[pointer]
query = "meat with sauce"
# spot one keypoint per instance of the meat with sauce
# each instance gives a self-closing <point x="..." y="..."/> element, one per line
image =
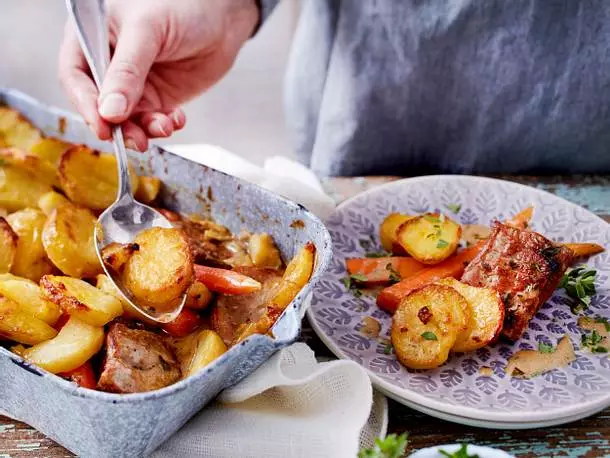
<point x="524" y="267"/>
<point x="137" y="360"/>
<point x="232" y="311"/>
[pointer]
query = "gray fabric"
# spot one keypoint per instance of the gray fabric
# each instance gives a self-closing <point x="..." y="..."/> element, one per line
<point x="430" y="86"/>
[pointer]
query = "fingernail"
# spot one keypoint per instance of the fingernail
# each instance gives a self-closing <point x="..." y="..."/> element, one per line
<point x="156" y="127"/>
<point x="177" y="118"/>
<point x="129" y="143"/>
<point x="112" y="105"/>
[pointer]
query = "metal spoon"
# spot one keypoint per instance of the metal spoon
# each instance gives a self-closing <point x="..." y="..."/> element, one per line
<point x="126" y="217"/>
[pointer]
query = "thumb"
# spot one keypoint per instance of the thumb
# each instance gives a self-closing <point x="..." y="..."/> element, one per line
<point x="135" y="52"/>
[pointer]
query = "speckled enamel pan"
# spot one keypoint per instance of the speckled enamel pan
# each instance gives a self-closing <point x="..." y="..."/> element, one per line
<point x="97" y="424"/>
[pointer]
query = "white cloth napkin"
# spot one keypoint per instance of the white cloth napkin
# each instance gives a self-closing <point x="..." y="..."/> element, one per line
<point x="292" y="406"/>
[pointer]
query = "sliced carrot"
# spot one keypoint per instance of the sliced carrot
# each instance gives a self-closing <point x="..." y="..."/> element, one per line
<point x="389" y="299"/>
<point x="582" y="250"/>
<point x="377" y="272"/>
<point x="82" y="376"/>
<point x="226" y="281"/>
<point x="185" y="323"/>
<point x="522" y="219"/>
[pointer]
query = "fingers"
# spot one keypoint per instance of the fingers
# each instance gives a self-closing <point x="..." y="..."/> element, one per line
<point x="157" y="124"/>
<point x="80" y="88"/>
<point x="135" y="137"/>
<point x="135" y="52"/>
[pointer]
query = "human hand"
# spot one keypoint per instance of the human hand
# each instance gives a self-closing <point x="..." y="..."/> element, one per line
<point x="165" y="53"/>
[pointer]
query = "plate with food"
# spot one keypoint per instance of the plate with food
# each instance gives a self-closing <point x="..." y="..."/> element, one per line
<point x="471" y="297"/>
<point x="101" y="378"/>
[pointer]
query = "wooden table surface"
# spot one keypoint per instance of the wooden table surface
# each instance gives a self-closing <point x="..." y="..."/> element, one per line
<point x="586" y="438"/>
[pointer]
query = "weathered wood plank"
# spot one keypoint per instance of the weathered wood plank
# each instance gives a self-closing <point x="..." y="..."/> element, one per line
<point x="586" y="438"/>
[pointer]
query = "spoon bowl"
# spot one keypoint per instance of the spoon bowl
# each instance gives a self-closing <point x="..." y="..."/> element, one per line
<point x="126" y="217"/>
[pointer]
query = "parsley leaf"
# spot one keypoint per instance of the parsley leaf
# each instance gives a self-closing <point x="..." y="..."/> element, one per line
<point x="429" y="335"/>
<point x="455" y="208"/>
<point x="592" y="342"/>
<point x="545" y="348"/>
<point x="442" y="244"/>
<point x="394" y="275"/>
<point x="461" y="453"/>
<point x="579" y="284"/>
<point x="392" y="446"/>
<point x="351" y="283"/>
<point x="388" y="349"/>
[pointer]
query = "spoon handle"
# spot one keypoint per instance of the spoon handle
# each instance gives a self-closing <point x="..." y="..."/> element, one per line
<point x="89" y="18"/>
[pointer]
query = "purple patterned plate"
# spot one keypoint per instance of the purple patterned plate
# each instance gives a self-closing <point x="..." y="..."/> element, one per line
<point x="459" y="387"/>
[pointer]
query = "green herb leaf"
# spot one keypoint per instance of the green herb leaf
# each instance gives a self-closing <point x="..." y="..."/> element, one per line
<point x="604" y="321"/>
<point x="592" y="341"/>
<point x="432" y="219"/>
<point x="545" y="348"/>
<point x="579" y="284"/>
<point x="392" y="446"/>
<point x="394" y="275"/>
<point x="461" y="453"/>
<point x="455" y="208"/>
<point x="388" y="349"/>
<point x="351" y="283"/>
<point x="429" y="335"/>
<point x="359" y="277"/>
<point x="442" y="244"/>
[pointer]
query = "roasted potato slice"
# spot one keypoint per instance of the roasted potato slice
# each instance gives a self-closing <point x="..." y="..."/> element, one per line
<point x="8" y="246"/>
<point x="40" y="169"/>
<point x="161" y="270"/>
<point x="208" y="347"/>
<point x="486" y="317"/>
<point x="105" y="284"/>
<point x="68" y="238"/>
<point x="50" y="150"/>
<point x="81" y="300"/>
<point x="50" y="201"/>
<point x="29" y="296"/>
<point x="17" y="131"/>
<point x="19" y="188"/>
<point x="387" y="232"/>
<point x="426" y="326"/>
<point x="75" y="344"/>
<point x="89" y="178"/>
<point x="148" y="189"/>
<point x="18" y="325"/>
<point x="295" y="277"/>
<point x="116" y="255"/>
<point x="263" y="252"/>
<point x="30" y="260"/>
<point x="198" y="296"/>
<point x="429" y="238"/>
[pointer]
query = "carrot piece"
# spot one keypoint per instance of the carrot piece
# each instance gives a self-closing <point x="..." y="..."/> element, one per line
<point x="522" y="219"/>
<point x="185" y="323"/>
<point x="582" y="250"/>
<point x="389" y="299"/>
<point x="226" y="281"/>
<point x="82" y="376"/>
<point x="376" y="270"/>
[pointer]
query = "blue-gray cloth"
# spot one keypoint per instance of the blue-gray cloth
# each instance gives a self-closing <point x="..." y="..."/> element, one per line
<point x="458" y="86"/>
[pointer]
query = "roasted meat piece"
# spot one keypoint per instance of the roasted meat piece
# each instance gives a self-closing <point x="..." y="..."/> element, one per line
<point x="232" y="311"/>
<point x="137" y="360"/>
<point x="204" y="247"/>
<point x="524" y="267"/>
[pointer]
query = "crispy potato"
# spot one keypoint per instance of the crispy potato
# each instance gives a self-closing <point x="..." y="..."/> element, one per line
<point x="8" y="246"/>
<point x="387" y="232"/>
<point x="81" y="300"/>
<point x="426" y="326"/>
<point x="50" y="150"/>
<point x="38" y="168"/>
<point x="29" y="296"/>
<point x="106" y="285"/>
<point x="486" y="317"/>
<point x="50" y="201"/>
<point x="160" y="272"/>
<point x="429" y="238"/>
<point x="198" y="296"/>
<point x="116" y="255"/>
<point x="18" y="325"/>
<point x="68" y="238"/>
<point x="295" y="277"/>
<point x="263" y="252"/>
<point x="148" y="189"/>
<point x="75" y="344"/>
<point x="19" y="188"/>
<point x="209" y="346"/>
<point x="30" y="259"/>
<point x="17" y="131"/>
<point x="89" y="178"/>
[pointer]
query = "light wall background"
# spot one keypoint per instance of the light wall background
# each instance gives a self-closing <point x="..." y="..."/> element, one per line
<point x="243" y="113"/>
